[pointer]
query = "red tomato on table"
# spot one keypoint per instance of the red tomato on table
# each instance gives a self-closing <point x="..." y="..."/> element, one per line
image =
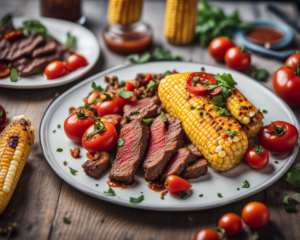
<point x="237" y="59"/>
<point x="75" y="61"/>
<point x="74" y="127"/>
<point x="293" y="60"/>
<point x="102" y="141"/>
<point x="255" y="215"/>
<point x="219" y="46"/>
<point x="207" y="234"/>
<point x="4" y="70"/>
<point x="278" y="137"/>
<point x="176" y="184"/>
<point x="231" y="223"/>
<point x="2" y="118"/>
<point x="257" y="157"/>
<point x="55" y="69"/>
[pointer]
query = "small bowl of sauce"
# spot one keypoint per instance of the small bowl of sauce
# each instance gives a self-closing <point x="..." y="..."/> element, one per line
<point x="264" y="35"/>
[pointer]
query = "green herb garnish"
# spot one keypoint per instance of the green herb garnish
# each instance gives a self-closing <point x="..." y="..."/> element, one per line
<point x="259" y="149"/>
<point x="238" y="189"/>
<point x="56" y="95"/>
<point x="6" y="19"/>
<point x="1" y="113"/>
<point x="159" y="54"/>
<point x="167" y="73"/>
<point x="97" y="87"/>
<point x="73" y="171"/>
<point x="110" y="192"/>
<point x="260" y="74"/>
<point x="108" y="96"/>
<point x="59" y="150"/>
<point x="97" y="185"/>
<point x="150" y="84"/>
<point x="201" y="195"/>
<point x="218" y="100"/>
<point x="125" y="94"/>
<point x="121" y="142"/>
<point x="255" y="236"/>
<point x="58" y="126"/>
<point x="191" y="107"/>
<point x="97" y="128"/>
<point x="54" y="131"/>
<point x="216" y="108"/>
<point x="276" y="162"/>
<point x="288" y="208"/>
<point x="224" y="112"/>
<point x="199" y="108"/>
<point x="246" y="184"/>
<point x="162" y="198"/>
<point x="163" y="116"/>
<point x="195" y="79"/>
<point x="293" y="177"/>
<point x="231" y="133"/>
<point x="71" y="41"/>
<point x="145" y="57"/>
<point x="66" y="220"/>
<point x="225" y="80"/>
<point x="219" y="195"/>
<point x="136" y="200"/>
<point x="264" y="111"/>
<point x="87" y="106"/>
<point x="135" y="112"/>
<point x="182" y="194"/>
<point x="148" y="121"/>
<point x="203" y="69"/>
<point x="13" y="74"/>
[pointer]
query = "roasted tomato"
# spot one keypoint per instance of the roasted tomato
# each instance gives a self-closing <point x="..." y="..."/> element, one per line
<point x="131" y="99"/>
<point x="13" y="35"/>
<point x="278" y="137"/>
<point x="130" y="85"/>
<point x="2" y="118"/>
<point x="231" y="223"/>
<point x="197" y="84"/>
<point x="255" y="215"/>
<point x="4" y="70"/>
<point x="55" y="69"/>
<point x="238" y="59"/>
<point x="75" y="127"/>
<point x="101" y="141"/>
<point x="75" y="61"/>
<point x="293" y="61"/>
<point x="257" y="157"/>
<point x="219" y="46"/>
<point x="113" y="106"/>
<point x="146" y="80"/>
<point x="176" y="184"/>
<point x="286" y="84"/>
<point x="207" y="234"/>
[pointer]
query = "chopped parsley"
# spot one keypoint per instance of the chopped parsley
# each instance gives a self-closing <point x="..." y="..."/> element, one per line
<point x="218" y="100"/>
<point x="1" y="112"/>
<point x="260" y="74"/>
<point x="163" y="116"/>
<point x="148" y="121"/>
<point x="136" y="200"/>
<point x="182" y="194"/>
<point x="231" y="133"/>
<point x="288" y="208"/>
<point x="162" y="198"/>
<point x="224" y="112"/>
<point x="259" y="149"/>
<point x="59" y="150"/>
<point x="195" y="79"/>
<point x="56" y="95"/>
<point x="150" y="85"/>
<point x="225" y="92"/>
<point x="73" y="171"/>
<point x="201" y="195"/>
<point x="264" y="111"/>
<point x="276" y="162"/>
<point x="293" y="176"/>
<point x="199" y="108"/>
<point x="66" y="220"/>
<point x="219" y="195"/>
<point x="216" y="108"/>
<point x="246" y="184"/>
<point x="255" y="236"/>
<point x="13" y="74"/>
<point x="87" y="106"/>
<point x="238" y="189"/>
<point x="191" y="107"/>
<point x="125" y="94"/>
<point x="58" y="126"/>
<point x="225" y="80"/>
<point x="121" y="142"/>
<point x="97" y="100"/>
<point x="54" y="131"/>
<point x="205" y="83"/>
<point x="97" y="185"/>
<point x="108" y="96"/>
<point x="110" y="192"/>
<point x="98" y="88"/>
<point x="123" y="83"/>
<point x="203" y="69"/>
<point x="135" y="112"/>
<point x="167" y="73"/>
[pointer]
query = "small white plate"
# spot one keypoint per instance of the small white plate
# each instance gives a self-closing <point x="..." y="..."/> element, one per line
<point x="87" y="46"/>
<point x="210" y="185"/>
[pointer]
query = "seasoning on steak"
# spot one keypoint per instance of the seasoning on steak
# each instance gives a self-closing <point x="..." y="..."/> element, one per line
<point x="48" y="47"/>
<point x="144" y="108"/>
<point x="196" y="169"/>
<point x="194" y="150"/>
<point x="97" y="165"/>
<point x="165" y="138"/>
<point x="178" y="162"/>
<point x="130" y="155"/>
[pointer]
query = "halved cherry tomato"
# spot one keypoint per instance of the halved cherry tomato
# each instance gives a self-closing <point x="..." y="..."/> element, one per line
<point x="207" y="234"/>
<point x="194" y="83"/>
<point x="130" y="85"/>
<point x="2" y="118"/>
<point x="231" y="223"/>
<point x="146" y="80"/>
<point x="102" y="141"/>
<point x="176" y="184"/>
<point x="13" y="35"/>
<point x="237" y="59"/>
<point x="219" y="46"/>
<point x="4" y="70"/>
<point x="75" y="61"/>
<point x="255" y="215"/>
<point x="280" y="138"/>
<point x="74" y="127"/>
<point x="257" y="157"/>
<point x="293" y="60"/>
<point x="55" y="69"/>
<point x="114" y="106"/>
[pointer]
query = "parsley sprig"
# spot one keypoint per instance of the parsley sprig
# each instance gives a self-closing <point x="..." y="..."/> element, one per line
<point x="125" y="94"/>
<point x="110" y="192"/>
<point x="288" y="208"/>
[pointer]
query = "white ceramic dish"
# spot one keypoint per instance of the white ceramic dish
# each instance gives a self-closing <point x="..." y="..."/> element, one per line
<point x="87" y="46"/>
<point x="210" y="185"/>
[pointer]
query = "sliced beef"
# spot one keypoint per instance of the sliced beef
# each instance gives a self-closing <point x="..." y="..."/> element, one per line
<point x="111" y="89"/>
<point x="178" y="162"/>
<point x="97" y="165"/>
<point x="48" y="47"/>
<point x="165" y="138"/>
<point x="144" y="108"/>
<point x="196" y="169"/>
<point x="130" y="155"/>
<point x="194" y="150"/>
<point x="6" y="28"/>
<point x="114" y="118"/>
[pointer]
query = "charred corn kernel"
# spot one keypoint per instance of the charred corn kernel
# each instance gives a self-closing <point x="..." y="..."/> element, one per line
<point x="207" y="130"/>
<point x="180" y="21"/>
<point x="124" y="11"/>
<point x="253" y="128"/>
<point x="244" y="142"/>
<point x="233" y="147"/>
<point x="16" y="141"/>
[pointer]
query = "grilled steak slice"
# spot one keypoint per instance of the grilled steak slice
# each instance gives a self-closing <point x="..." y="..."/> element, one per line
<point x="111" y="89"/>
<point x="113" y="118"/>
<point x="130" y="155"/>
<point x="194" y="150"/>
<point x="97" y="165"/>
<point x="196" y="169"/>
<point x="178" y="162"/>
<point x="165" y="139"/>
<point x="48" y="47"/>
<point x="144" y="108"/>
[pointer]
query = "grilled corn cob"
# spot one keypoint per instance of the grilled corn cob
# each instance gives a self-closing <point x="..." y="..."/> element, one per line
<point x="248" y="115"/>
<point x="180" y="21"/>
<point x="204" y="126"/>
<point x="124" y="11"/>
<point x="16" y="141"/>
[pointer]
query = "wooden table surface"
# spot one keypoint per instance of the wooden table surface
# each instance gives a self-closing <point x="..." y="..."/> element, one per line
<point x="42" y="199"/>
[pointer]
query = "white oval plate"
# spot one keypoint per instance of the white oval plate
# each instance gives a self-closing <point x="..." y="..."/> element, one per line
<point x="87" y="46"/>
<point x="210" y="185"/>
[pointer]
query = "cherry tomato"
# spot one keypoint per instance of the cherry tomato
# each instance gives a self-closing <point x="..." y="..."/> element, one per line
<point x="237" y="59"/>
<point x="207" y="234"/>
<point x="102" y="141"/>
<point x="55" y="69"/>
<point x="130" y="85"/>
<point x="74" y="127"/>
<point x="4" y="70"/>
<point x="114" y="106"/>
<point x="257" y="157"/>
<point x="278" y="137"/>
<point x="219" y="46"/>
<point x="293" y="60"/>
<point x="131" y="99"/>
<point x="2" y="118"/>
<point x="176" y="184"/>
<point x="75" y="61"/>
<point x="286" y="84"/>
<point x="231" y="223"/>
<point x="146" y="80"/>
<point x="13" y="35"/>
<point x="255" y="215"/>
<point x="194" y="85"/>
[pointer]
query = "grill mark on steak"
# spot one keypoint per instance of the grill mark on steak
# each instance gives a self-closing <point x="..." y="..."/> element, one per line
<point x="165" y="139"/>
<point x="49" y="47"/>
<point x="178" y="162"/>
<point x="196" y="169"/>
<point x="130" y="155"/>
<point x="194" y="150"/>
<point x="97" y="165"/>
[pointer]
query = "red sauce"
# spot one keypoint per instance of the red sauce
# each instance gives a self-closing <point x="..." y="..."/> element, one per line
<point x="164" y="193"/>
<point x="72" y="152"/>
<point x="156" y="186"/>
<point x="72" y="109"/>
<point x="90" y="155"/>
<point x="113" y="183"/>
<point x="261" y="35"/>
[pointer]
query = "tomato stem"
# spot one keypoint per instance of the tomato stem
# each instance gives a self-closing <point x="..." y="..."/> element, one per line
<point x="259" y="149"/>
<point x="277" y="131"/>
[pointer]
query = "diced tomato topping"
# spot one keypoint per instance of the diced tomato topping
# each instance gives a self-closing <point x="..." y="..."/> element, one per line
<point x="13" y="35"/>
